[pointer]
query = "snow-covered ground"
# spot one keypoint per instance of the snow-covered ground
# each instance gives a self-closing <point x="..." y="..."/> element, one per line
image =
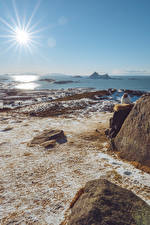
<point x="37" y="185"/>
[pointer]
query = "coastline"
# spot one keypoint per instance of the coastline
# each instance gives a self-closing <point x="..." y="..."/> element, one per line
<point x="18" y="98"/>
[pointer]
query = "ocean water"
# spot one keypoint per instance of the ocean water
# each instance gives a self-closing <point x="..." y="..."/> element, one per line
<point x="33" y="82"/>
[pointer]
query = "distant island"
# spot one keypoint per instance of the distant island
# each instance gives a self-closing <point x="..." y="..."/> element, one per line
<point x="47" y="80"/>
<point x="95" y="75"/>
<point x="64" y="82"/>
<point x="77" y="76"/>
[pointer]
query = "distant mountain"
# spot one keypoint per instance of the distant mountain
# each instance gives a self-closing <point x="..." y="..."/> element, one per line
<point x="95" y="75"/>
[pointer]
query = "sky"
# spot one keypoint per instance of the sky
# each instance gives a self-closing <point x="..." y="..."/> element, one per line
<point x="75" y="36"/>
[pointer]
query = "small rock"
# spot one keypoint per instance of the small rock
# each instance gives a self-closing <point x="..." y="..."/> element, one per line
<point x="48" y="137"/>
<point x="7" y="129"/>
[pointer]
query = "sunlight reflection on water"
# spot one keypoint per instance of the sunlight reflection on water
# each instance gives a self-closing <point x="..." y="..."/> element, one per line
<point x="30" y="86"/>
<point x="26" y="81"/>
<point x="25" y="78"/>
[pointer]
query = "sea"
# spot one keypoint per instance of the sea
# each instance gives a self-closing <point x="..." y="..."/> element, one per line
<point x="38" y="82"/>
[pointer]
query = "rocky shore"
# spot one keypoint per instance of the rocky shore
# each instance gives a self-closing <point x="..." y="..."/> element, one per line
<point x="52" y="143"/>
<point x="76" y="97"/>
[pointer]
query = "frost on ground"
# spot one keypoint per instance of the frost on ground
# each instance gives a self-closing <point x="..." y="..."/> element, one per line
<point x="37" y="185"/>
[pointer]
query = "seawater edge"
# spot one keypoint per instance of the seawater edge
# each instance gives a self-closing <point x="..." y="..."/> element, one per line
<point x="52" y="81"/>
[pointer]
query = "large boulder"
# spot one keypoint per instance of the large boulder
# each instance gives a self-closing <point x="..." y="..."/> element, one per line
<point x="133" y="139"/>
<point x="104" y="203"/>
<point x="121" y="112"/>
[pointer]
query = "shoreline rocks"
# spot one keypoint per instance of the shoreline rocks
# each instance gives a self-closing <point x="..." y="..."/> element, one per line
<point x="45" y="103"/>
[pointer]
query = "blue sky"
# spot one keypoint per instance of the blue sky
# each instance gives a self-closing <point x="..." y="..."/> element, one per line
<point x="76" y="36"/>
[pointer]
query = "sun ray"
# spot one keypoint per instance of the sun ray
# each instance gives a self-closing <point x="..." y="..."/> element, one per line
<point x="16" y="13"/>
<point x="33" y="14"/>
<point x="12" y="45"/>
<point x="7" y="24"/>
<point x="34" y="26"/>
<point x="39" y="31"/>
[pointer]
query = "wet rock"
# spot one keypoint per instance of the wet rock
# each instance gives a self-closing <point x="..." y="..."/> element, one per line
<point x="133" y="140"/>
<point x="48" y="138"/>
<point x="104" y="203"/>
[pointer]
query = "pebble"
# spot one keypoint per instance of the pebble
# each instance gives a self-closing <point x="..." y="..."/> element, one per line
<point x="128" y="173"/>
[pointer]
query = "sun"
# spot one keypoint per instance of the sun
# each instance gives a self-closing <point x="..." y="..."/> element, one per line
<point x="20" y="32"/>
<point x="22" y="37"/>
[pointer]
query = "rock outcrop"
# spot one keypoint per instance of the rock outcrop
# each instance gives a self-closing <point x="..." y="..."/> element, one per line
<point x="48" y="138"/>
<point x="104" y="203"/>
<point x="121" y="112"/>
<point x="133" y="140"/>
<point x="95" y="75"/>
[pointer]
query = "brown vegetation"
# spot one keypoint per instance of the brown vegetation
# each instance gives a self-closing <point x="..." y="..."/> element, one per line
<point x="90" y="95"/>
<point x="141" y="167"/>
<point x="76" y="197"/>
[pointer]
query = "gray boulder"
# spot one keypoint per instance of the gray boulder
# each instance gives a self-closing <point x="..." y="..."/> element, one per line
<point x="133" y="139"/>
<point x="104" y="203"/>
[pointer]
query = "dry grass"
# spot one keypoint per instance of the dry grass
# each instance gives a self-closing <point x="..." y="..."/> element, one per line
<point x="95" y="135"/>
<point x="27" y="154"/>
<point x="1" y="189"/>
<point x="90" y="95"/>
<point x="141" y="167"/>
<point x="5" y="155"/>
<point x="117" y="176"/>
<point x="76" y="197"/>
<point x="134" y="163"/>
<point x="47" y="180"/>
<point x="55" y="111"/>
<point x="113" y="174"/>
